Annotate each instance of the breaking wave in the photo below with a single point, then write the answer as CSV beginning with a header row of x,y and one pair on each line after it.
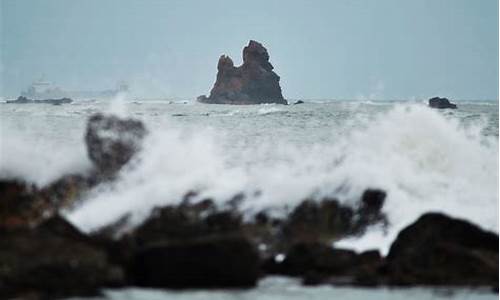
x,y
425,161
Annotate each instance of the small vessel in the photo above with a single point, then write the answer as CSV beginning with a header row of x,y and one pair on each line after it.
x,y
42,89
24,100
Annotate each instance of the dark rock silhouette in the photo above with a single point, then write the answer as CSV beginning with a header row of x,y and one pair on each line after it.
x,y
440,250
51,261
437,102
319,263
254,82
215,261
112,141
328,220
299,102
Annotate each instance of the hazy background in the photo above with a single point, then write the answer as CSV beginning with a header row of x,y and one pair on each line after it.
x,y
343,49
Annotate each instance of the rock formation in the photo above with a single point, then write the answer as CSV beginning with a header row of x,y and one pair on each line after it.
x,y
441,250
437,102
112,141
254,82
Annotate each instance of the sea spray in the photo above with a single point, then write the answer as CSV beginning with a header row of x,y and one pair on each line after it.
x,y
425,162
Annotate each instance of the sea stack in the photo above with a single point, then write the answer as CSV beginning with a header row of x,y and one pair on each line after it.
x,y
254,82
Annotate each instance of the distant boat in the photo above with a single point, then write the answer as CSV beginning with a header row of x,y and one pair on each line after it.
x,y
42,89
24,100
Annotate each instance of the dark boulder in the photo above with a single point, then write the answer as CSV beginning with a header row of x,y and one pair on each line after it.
x,y
112,141
210,262
305,257
24,204
319,263
299,102
186,221
254,82
53,260
18,203
328,220
437,102
440,250
313,221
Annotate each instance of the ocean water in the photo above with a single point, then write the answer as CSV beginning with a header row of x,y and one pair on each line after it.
x,y
426,160
280,288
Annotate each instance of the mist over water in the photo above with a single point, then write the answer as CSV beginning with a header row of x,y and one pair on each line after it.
x,y
426,160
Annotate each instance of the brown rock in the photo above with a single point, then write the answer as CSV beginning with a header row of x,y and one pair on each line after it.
x,y
254,82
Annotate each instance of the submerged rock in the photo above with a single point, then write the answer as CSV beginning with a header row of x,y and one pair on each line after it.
x,y
440,250
438,102
253,82
112,141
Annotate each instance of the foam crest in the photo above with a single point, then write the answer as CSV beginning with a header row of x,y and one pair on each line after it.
x,y
425,161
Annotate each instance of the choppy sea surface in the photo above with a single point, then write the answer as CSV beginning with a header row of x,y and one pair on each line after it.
x,y
426,160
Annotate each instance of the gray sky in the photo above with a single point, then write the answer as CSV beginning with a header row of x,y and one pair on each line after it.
x,y
343,49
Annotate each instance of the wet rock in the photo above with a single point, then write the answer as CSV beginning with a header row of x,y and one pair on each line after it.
x,y
319,263
24,204
299,102
112,141
313,221
209,262
18,203
437,102
53,260
253,82
327,220
440,250
305,257
186,221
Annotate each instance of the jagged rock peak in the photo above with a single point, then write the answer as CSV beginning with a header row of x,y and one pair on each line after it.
x,y
254,82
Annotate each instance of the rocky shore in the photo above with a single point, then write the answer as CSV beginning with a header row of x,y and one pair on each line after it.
x,y
199,244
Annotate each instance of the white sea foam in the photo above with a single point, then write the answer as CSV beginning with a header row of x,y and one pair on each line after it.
x,y
39,162
424,161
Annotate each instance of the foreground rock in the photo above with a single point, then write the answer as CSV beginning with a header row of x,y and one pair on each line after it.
x,y
328,220
210,262
23,204
112,141
254,82
319,263
440,250
24,100
53,260
438,102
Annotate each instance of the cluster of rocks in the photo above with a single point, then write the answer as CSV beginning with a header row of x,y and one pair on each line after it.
x,y
254,82
198,244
